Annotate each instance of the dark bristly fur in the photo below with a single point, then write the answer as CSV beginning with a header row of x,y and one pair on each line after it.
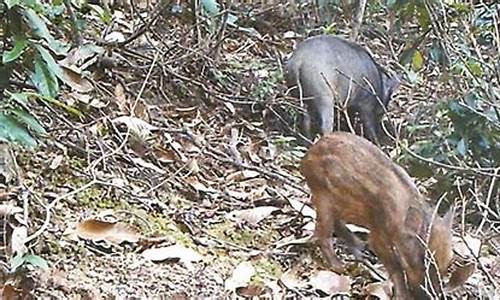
x,y
326,68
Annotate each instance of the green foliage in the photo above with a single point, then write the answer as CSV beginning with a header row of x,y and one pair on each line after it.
x,y
16,122
34,260
464,132
30,48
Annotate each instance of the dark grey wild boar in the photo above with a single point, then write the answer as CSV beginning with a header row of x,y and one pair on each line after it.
x,y
326,68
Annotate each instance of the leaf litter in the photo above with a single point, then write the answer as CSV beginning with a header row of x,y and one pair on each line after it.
x,y
211,184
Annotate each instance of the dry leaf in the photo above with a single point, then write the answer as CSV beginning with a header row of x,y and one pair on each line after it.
x,y
460,276
76,81
138,127
381,290
185,255
240,277
303,208
7,209
115,233
252,215
291,279
464,246
121,98
115,37
19,235
164,155
8,292
241,175
330,283
56,162
198,186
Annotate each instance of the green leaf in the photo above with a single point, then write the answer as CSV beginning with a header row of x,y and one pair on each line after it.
x,y
475,68
232,19
16,262
40,29
20,98
417,61
12,130
210,7
52,65
462,147
36,261
19,46
29,120
406,55
11,3
45,81
103,14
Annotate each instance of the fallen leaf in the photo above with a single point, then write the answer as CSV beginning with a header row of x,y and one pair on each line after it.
x,y
8,292
121,98
164,155
138,127
241,175
464,246
240,277
460,275
76,81
291,279
198,186
115,36
330,282
7,209
115,233
185,255
19,235
56,162
304,209
250,291
381,290
252,215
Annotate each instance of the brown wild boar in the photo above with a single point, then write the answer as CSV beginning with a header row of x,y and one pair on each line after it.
x,y
352,181
324,69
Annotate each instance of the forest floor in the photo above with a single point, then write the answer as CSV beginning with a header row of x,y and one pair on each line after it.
x,y
181,180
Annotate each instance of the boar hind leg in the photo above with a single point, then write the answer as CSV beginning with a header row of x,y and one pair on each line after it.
x,y
323,232
352,241
369,126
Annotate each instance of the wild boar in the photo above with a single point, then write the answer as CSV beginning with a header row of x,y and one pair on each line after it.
x,y
326,70
352,181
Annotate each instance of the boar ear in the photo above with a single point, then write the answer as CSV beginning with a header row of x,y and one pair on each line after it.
x,y
448,217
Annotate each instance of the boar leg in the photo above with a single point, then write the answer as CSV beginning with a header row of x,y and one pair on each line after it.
x,y
324,106
391,261
324,233
352,241
369,126
306,124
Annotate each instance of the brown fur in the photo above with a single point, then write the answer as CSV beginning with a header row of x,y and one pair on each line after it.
x,y
352,181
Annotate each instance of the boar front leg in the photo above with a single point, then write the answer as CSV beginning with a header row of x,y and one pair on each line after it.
x,y
323,232
306,125
324,108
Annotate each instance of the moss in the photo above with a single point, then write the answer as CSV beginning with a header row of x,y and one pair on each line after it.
x,y
243,236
